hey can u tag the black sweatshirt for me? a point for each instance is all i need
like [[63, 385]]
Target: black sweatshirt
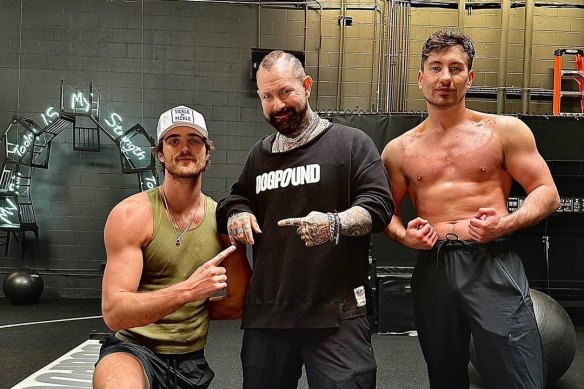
[[294, 286]]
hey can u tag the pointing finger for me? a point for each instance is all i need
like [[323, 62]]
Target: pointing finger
[[293, 221], [217, 259]]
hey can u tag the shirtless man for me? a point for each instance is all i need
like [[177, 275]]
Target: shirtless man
[[457, 167]]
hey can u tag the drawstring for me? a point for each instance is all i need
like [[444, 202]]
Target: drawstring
[[449, 238]]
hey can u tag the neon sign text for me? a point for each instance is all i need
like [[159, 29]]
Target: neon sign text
[[49, 115], [79, 101], [8, 211]]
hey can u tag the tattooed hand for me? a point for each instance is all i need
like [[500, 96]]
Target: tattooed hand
[[241, 226], [313, 228], [355, 221]]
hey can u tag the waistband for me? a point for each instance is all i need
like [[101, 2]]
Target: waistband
[[453, 243], [498, 244]]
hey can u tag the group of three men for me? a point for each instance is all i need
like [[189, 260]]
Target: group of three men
[[307, 200]]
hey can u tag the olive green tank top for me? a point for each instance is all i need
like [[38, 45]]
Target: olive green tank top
[[165, 264]]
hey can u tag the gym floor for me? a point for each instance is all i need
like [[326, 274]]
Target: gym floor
[[33, 336]]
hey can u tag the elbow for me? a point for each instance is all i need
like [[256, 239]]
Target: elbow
[[556, 202], [111, 320], [112, 323]]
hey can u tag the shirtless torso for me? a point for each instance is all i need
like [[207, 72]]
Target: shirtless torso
[[453, 175]]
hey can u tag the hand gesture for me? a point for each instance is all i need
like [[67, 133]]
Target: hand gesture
[[420, 234], [314, 229], [486, 225], [209, 277], [241, 227]]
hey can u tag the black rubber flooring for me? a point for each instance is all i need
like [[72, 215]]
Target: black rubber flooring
[[26, 349]]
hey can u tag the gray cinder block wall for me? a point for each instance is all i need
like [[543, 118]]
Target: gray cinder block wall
[[142, 61]]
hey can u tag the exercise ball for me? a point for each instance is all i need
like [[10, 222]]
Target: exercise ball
[[23, 286], [557, 332]]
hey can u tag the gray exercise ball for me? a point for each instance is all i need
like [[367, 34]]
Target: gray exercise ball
[[557, 332], [23, 286]]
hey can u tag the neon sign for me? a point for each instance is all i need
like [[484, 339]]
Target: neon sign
[[9, 210], [126, 144], [79, 101], [20, 150], [49, 115]]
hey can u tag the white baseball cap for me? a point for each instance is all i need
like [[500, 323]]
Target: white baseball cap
[[181, 116]]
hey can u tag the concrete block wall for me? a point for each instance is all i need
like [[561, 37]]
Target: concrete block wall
[[193, 54], [146, 60]]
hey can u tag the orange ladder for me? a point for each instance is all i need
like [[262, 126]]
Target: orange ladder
[[560, 74]]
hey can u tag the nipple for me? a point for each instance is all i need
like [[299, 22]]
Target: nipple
[[483, 169], [419, 178]]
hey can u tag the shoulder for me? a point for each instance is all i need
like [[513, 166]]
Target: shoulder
[[511, 130], [501, 123], [347, 131], [350, 137], [396, 146], [132, 212], [210, 203]]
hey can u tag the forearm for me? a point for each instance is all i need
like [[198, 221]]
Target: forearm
[[396, 230], [355, 221], [538, 205], [123, 309]]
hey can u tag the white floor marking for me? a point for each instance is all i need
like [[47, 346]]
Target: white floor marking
[[49, 321], [72, 370]]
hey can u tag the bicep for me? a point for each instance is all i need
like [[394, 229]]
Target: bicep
[[124, 263], [392, 157]]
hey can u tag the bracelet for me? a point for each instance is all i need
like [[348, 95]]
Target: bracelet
[[331, 221], [334, 226]]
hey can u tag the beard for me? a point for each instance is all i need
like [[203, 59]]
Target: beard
[[193, 170], [292, 124], [445, 101]]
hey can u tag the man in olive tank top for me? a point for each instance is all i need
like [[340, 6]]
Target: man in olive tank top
[[164, 262]]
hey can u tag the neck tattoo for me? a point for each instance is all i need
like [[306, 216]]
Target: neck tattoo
[[173, 221], [315, 126]]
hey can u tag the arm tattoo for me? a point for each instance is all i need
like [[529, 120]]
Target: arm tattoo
[[355, 221]]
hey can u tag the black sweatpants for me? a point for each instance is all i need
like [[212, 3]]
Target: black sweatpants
[[334, 358], [462, 288]]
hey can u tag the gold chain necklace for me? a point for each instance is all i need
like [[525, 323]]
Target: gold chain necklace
[[172, 220]]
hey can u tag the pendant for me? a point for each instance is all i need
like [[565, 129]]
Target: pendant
[[178, 242]]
